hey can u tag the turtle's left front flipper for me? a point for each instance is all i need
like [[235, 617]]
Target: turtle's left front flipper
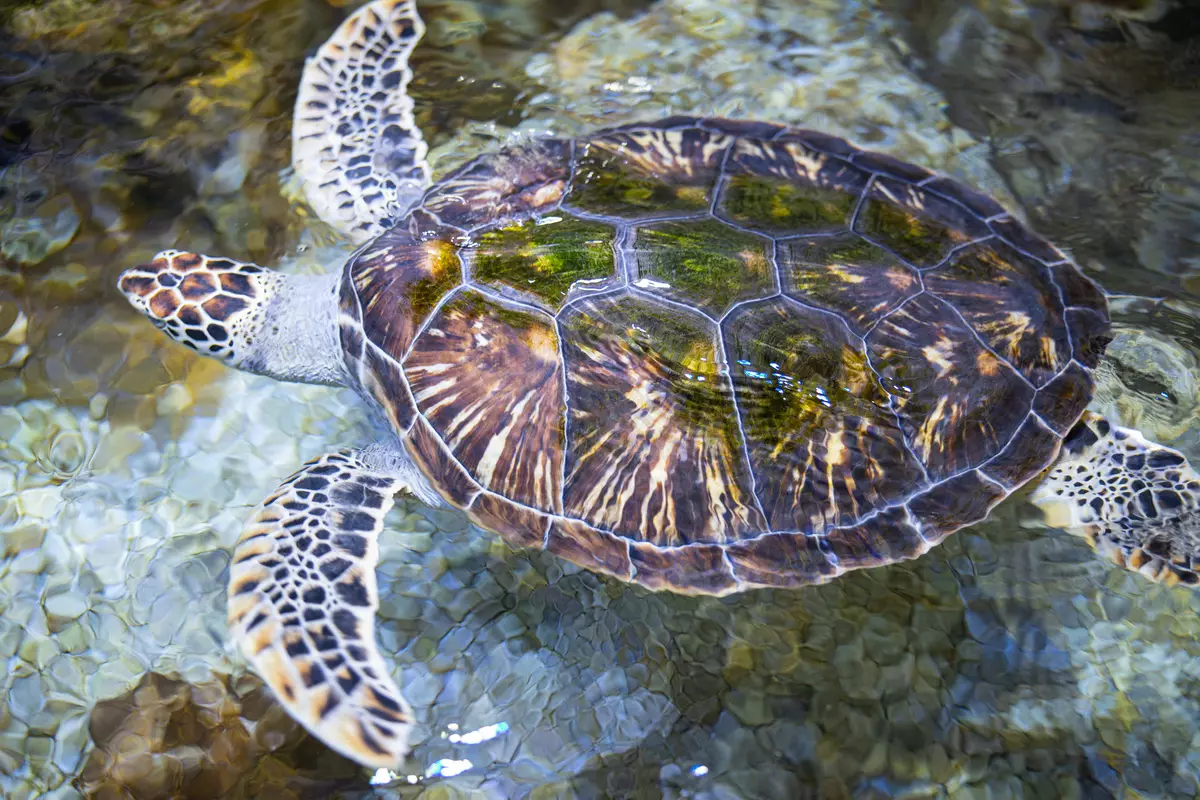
[[302, 600], [355, 143], [1137, 502]]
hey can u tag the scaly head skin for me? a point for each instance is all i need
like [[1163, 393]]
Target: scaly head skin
[[215, 306], [247, 316]]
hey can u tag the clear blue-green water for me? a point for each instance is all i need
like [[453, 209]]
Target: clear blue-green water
[[1009, 662]]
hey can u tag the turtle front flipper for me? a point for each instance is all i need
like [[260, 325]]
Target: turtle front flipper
[[1134, 500], [354, 142], [302, 600]]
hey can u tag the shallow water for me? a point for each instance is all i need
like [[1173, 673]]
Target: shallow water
[[1008, 662]]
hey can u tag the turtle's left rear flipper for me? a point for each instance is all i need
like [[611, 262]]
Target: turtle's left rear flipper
[[1136, 502], [302, 600], [354, 142]]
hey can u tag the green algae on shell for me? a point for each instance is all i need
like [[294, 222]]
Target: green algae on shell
[[785, 207], [444, 275], [919, 225], [676, 346], [822, 439], [704, 263], [609, 184], [799, 371], [545, 257], [917, 239], [846, 274]]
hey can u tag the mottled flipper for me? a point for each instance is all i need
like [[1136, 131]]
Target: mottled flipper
[[354, 142], [302, 600], [1134, 500]]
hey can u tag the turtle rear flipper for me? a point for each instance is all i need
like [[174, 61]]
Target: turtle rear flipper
[[1134, 500], [302, 600], [354, 142]]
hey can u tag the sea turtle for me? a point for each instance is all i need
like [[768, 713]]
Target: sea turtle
[[700, 355]]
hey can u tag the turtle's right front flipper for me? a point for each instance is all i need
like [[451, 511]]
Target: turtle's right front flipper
[[1137, 502], [354, 142], [302, 600]]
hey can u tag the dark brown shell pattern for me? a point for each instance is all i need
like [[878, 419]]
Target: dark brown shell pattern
[[706, 355]]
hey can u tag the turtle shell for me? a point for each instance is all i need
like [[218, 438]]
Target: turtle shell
[[706, 355]]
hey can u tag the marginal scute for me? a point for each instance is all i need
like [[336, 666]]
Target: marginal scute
[[960, 501], [885, 538], [815, 140], [977, 202], [957, 402], [674, 121], [521, 526], [785, 189], [489, 380], [1090, 333], [848, 275], [742, 128], [824, 445], [649, 172], [1033, 449], [784, 560], [1011, 302], [890, 165], [583, 544], [1063, 400], [655, 451], [1079, 290], [919, 226], [704, 264], [447, 476], [695, 569], [383, 380], [543, 260], [350, 329], [1016, 234]]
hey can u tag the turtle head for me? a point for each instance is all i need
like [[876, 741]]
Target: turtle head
[[249, 317], [215, 306]]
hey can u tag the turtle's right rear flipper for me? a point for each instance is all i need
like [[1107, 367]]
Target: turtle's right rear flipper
[[1137, 502], [354, 142], [302, 600]]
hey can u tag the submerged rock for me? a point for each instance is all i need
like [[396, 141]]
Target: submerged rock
[[36, 218], [216, 739]]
